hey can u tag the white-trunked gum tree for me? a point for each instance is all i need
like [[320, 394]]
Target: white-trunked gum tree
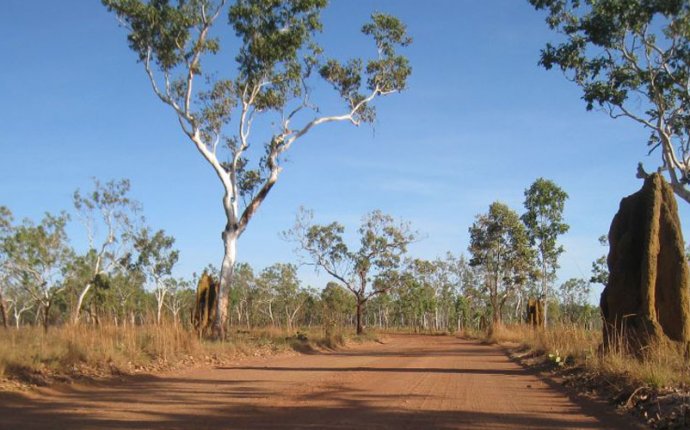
[[276, 62], [370, 270]]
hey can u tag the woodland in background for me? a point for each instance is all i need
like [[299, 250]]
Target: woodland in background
[[124, 277]]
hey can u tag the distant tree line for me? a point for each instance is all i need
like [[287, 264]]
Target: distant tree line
[[123, 276]]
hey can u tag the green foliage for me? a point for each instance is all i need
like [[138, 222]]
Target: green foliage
[[109, 216], [544, 204], [388, 73], [365, 272], [5, 219], [622, 52], [162, 30], [37, 256], [282, 293], [574, 296], [273, 34], [156, 256], [338, 303], [500, 246], [600, 270], [383, 241], [40, 251], [281, 279]]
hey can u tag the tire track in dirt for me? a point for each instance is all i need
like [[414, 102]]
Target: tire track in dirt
[[409, 382]]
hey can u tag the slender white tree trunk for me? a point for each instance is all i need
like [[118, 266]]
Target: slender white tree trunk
[[545, 289], [227, 272], [80, 301], [160, 296]]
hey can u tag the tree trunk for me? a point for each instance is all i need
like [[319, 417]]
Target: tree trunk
[[227, 271], [3, 311], [80, 301], [46, 316], [360, 305], [496, 317], [159, 312], [544, 286]]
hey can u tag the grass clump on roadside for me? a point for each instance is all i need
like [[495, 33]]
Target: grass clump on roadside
[[663, 365], [78, 350]]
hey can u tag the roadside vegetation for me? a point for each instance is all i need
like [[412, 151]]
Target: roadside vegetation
[[653, 387], [570, 345], [29, 355], [114, 305]]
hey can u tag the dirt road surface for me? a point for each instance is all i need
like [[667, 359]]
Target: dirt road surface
[[406, 382]]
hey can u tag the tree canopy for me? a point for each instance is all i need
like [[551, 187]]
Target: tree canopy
[[367, 271], [544, 204], [276, 60], [499, 245], [631, 58]]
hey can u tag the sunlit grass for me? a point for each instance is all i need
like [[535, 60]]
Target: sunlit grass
[[663, 364], [106, 349]]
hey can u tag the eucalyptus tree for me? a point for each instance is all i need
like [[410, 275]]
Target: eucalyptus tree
[[275, 63], [471, 296], [37, 257], [367, 271], [126, 286], [500, 246], [282, 285], [180, 297], [416, 301], [110, 218], [436, 277], [19, 302], [265, 297], [631, 58], [338, 303], [544, 204], [311, 313], [600, 269], [574, 295], [380, 307], [5, 229], [156, 259], [242, 293]]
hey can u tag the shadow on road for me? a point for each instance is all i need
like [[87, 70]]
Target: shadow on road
[[379, 369], [16, 411], [253, 396]]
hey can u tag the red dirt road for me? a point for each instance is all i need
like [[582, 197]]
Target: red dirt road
[[409, 382]]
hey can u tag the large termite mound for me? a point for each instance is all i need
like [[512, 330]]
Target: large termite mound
[[204, 312], [647, 298], [535, 312]]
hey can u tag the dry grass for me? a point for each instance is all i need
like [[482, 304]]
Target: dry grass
[[663, 365], [100, 350]]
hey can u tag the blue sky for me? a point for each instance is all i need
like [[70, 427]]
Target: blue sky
[[479, 123]]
